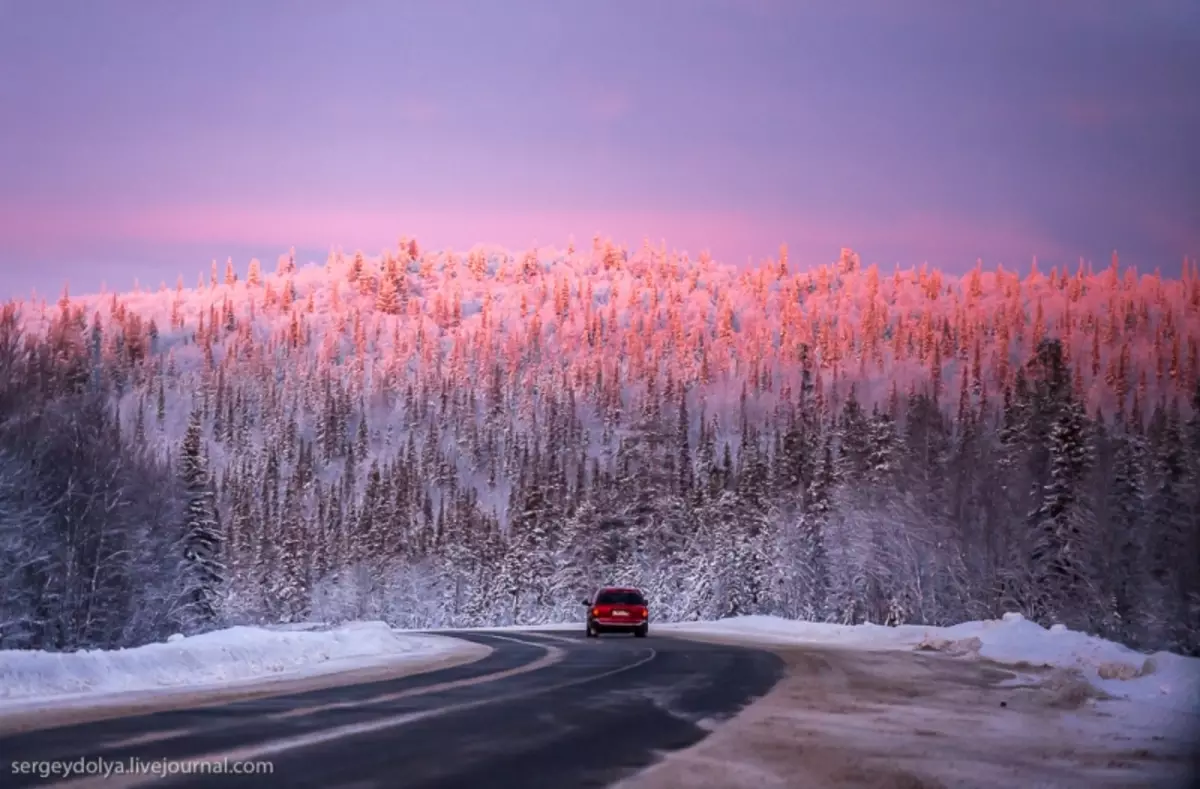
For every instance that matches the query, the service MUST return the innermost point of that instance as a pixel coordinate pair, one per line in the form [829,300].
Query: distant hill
[492,430]
[606,322]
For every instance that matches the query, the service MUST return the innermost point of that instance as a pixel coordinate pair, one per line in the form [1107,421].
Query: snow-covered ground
[1162,680]
[237,657]
[867,706]
[553,627]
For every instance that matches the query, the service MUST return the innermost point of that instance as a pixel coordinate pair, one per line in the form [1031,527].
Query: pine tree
[1168,534]
[1059,458]
[683,449]
[386,300]
[139,423]
[883,450]
[852,440]
[1126,507]
[202,543]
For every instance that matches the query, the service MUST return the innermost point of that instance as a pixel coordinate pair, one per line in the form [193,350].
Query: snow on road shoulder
[1164,680]
[235,657]
[551,627]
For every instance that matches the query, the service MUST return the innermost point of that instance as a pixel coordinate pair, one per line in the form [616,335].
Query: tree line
[283,498]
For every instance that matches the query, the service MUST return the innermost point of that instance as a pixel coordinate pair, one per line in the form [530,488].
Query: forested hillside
[445,439]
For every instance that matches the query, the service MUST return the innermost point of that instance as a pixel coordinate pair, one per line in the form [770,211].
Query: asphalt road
[542,710]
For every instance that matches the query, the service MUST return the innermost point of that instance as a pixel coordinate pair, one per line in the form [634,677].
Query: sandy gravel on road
[142,702]
[898,720]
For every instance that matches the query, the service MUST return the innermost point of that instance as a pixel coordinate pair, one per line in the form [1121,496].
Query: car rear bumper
[618,624]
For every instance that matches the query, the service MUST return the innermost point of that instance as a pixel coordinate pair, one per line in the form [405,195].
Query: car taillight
[595,612]
[643,612]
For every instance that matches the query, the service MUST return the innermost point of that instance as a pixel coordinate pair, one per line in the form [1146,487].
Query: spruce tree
[203,571]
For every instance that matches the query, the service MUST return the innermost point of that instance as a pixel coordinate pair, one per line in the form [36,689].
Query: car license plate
[620,613]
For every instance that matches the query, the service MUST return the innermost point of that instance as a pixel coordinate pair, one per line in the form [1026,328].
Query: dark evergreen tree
[203,571]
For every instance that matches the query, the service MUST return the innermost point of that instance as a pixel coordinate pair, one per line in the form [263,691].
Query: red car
[618,609]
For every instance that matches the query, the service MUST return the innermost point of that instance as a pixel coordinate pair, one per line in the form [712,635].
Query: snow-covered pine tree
[387,299]
[1059,457]
[1168,535]
[203,572]
[1126,518]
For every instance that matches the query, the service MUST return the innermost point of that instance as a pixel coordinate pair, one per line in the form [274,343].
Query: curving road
[542,710]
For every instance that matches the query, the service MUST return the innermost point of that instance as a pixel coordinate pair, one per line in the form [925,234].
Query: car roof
[620,589]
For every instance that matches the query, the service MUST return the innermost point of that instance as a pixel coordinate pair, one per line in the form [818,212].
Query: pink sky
[732,235]
[134,149]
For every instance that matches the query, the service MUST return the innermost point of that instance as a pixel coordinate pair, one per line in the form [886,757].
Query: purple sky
[145,138]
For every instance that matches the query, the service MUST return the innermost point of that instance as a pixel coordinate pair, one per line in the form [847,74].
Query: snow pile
[235,655]
[1163,679]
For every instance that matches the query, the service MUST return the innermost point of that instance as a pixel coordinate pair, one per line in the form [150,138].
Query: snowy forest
[463,439]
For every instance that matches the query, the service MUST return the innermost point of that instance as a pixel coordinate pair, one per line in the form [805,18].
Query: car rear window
[620,598]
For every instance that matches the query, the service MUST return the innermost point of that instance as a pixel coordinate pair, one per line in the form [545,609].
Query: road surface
[542,710]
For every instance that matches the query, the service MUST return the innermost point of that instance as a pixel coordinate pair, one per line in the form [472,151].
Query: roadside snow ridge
[236,654]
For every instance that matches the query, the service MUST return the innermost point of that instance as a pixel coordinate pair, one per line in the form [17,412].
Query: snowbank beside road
[553,627]
[864,705]
[238,656]
[1163,679]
